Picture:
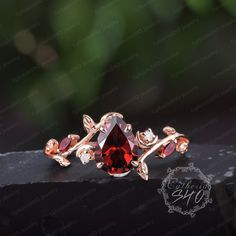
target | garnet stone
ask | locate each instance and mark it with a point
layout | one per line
(167, 150)
(116, 147)
(64, 144)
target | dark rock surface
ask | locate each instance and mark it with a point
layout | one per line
(38, 197)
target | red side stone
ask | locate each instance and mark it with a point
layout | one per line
(64, 144)
(167, 150)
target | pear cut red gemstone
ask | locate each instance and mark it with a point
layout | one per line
(116, 147)
(64, 144)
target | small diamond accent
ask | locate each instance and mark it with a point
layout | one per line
(149, 135)
(85, 158)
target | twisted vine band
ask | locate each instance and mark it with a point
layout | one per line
(116, 149)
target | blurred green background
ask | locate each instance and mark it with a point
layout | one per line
(158, 62)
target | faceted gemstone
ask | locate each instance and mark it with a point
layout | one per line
(64, 144)
(85, 158)
(116, 147)
(167, 150)
(149, 135)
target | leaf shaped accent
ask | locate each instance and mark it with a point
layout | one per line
(142, 170)
(51, 148)
(169, 130)
(61, 160)
(88, 123)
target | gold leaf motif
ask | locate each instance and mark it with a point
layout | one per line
(169, 130)
(61, 160)
(88, 123)
(142, 170)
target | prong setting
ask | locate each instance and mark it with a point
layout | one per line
(103, 129)
(99, 165)
(134, 163)
(146, 139)
(142, 170)
(85, 153)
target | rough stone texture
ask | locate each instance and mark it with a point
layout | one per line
(38, 197)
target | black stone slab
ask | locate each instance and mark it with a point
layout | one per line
(38, 197)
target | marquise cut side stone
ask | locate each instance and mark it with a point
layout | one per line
(64, 144)
(167, 150)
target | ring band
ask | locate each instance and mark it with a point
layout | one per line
(116, 149)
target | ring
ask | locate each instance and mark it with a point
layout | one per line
(116, 150)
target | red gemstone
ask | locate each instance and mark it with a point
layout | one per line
(64, 144)
(167, 150)
(116, 148)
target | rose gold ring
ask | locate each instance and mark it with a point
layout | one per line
(116, 149)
